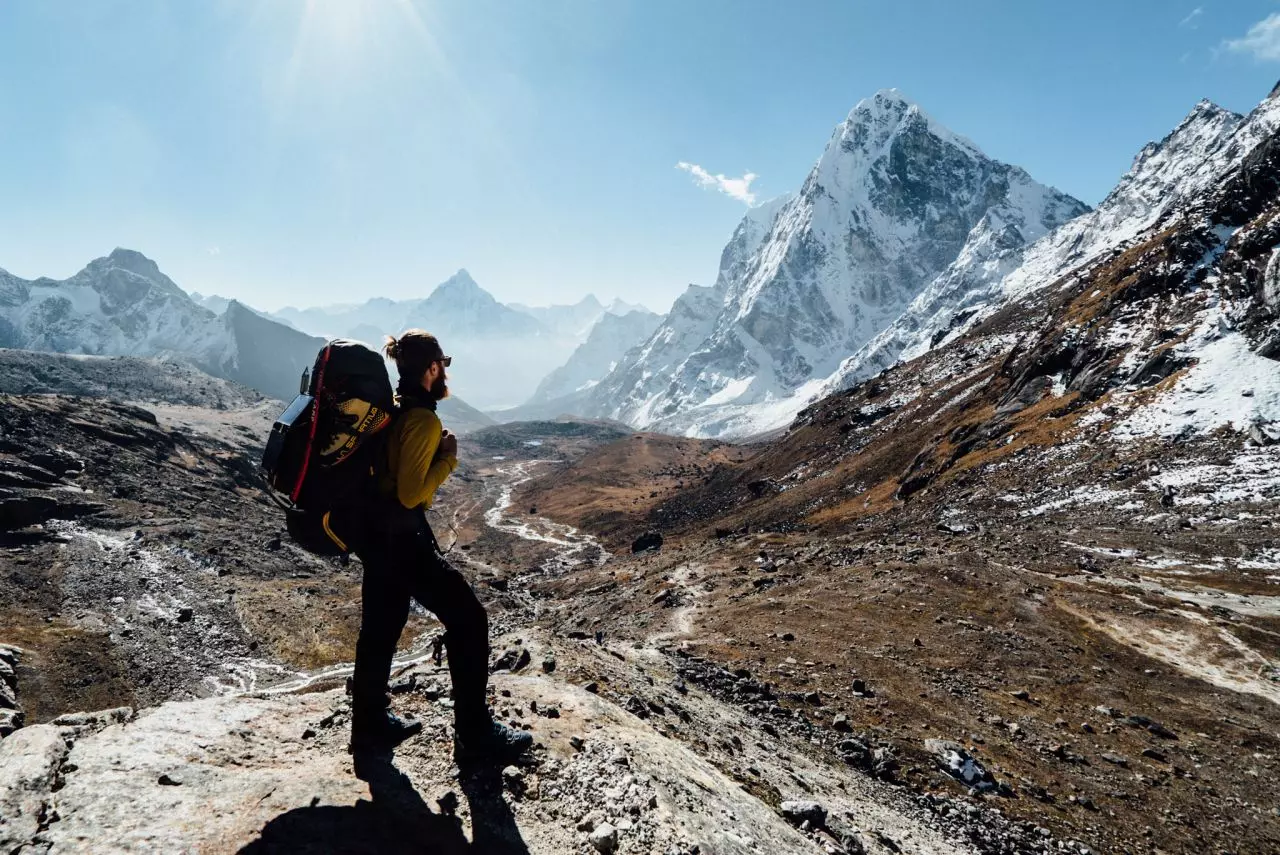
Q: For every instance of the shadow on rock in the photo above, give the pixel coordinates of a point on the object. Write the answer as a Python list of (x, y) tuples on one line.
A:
[(493, 826), (396, 820)]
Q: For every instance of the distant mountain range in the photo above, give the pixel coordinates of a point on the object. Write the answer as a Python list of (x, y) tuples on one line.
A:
[(903, 237), (123, 305), (502, 351)]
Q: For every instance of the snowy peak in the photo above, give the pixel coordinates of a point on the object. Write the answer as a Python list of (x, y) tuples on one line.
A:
[(125, 277), (807, 280), (460, 287), (755, 226), (870, 132), (1160, 166), (135, 262), (461, 305)]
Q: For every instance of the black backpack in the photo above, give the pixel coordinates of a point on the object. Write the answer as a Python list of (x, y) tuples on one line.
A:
[(327, 448)]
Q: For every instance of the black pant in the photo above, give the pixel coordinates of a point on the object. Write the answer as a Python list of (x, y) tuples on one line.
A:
[(400, 565)]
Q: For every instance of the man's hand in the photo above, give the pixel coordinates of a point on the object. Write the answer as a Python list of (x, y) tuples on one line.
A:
[(448, 443)]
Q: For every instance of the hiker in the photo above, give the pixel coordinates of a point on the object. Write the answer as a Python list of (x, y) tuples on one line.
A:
[(402, 560)]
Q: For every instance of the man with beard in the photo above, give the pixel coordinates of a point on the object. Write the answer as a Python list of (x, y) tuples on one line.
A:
[(402, 561)]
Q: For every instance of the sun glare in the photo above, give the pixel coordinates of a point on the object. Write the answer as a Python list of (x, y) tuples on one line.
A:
[(344, 38)]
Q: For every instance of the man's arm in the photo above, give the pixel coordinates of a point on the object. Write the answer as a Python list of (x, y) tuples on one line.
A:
[(421, 470)]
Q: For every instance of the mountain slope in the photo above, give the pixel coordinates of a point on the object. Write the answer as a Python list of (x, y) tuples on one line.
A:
[(1163, 177), (894, 199), (610, 339), (571, 321)]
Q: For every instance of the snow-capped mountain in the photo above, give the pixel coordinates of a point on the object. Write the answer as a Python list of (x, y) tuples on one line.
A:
[(1163, 178), (123, 305), (807, 280), (610, 339), (460, 307), (120, 304), (218, 304)]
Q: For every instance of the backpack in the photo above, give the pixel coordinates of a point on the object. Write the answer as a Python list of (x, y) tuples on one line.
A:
[(326, 449)]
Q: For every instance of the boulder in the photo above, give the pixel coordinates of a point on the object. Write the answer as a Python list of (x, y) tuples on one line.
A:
[(1271, 282), (801, 811), (605, 838), (953, 759), (8, 697), (10, 721), (650, 540), (11, 654), (29, 764), (1264, 433)]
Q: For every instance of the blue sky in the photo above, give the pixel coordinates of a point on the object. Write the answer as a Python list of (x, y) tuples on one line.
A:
[(295, 152)]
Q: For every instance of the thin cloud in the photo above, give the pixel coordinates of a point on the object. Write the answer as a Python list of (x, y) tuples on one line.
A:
[(1192, 21), (735, 188), (214, 250), (1262, 40)]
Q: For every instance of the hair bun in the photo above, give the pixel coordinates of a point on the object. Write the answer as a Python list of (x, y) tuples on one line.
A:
[(391, 348)]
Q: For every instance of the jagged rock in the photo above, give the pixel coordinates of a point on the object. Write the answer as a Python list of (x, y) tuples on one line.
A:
[(95, 720), (29, 764), (8, 697), (650, 540), (856, 753), (1271, 282), (953, 759), (604, 838), (513, 779), (11, 654), (1264, 433), (11, 720), (512, 659), (799, 812)]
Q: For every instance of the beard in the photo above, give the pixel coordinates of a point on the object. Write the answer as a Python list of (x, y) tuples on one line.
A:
[(439, 390)]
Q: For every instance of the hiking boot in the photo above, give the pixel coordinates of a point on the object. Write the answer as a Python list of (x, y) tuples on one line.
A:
[(496, 744), (381, 731)]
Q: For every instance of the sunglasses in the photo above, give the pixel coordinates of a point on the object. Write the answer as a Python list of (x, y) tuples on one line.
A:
[(446, 361)]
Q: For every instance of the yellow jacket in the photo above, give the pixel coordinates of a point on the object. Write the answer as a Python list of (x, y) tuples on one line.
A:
[(414, 470)]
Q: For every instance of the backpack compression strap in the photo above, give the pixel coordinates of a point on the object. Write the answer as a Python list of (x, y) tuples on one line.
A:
[(315, 418)]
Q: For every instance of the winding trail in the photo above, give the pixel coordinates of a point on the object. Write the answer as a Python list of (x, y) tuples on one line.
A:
[(576, 547)]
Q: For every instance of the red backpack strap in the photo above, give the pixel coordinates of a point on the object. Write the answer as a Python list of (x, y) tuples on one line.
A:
[(315, 419)]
